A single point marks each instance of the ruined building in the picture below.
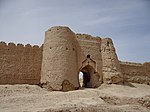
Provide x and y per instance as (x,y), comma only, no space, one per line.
(57,63)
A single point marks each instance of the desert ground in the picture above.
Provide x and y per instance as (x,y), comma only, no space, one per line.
(130,97)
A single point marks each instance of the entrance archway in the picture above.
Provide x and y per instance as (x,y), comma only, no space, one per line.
(89,77)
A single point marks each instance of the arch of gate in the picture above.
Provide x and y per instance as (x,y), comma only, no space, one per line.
(90,75)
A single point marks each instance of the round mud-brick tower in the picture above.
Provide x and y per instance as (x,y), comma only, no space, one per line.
(59,64)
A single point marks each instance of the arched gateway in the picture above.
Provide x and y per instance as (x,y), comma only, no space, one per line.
(90,75)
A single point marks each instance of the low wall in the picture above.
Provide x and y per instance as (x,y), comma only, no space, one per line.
(136,72)
(20,64)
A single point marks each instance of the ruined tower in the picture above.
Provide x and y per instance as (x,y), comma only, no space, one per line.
(111,66)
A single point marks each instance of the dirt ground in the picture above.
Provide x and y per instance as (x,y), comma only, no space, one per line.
(107,98)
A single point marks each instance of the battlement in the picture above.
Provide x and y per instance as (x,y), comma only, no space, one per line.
(13,45)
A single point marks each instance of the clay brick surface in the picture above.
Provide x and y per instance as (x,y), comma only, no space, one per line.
(136,72)
(20,64)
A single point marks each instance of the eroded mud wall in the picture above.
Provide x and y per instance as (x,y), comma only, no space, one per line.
(136,72)
(110,63)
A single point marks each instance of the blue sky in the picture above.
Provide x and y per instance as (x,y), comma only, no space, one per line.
(127,22)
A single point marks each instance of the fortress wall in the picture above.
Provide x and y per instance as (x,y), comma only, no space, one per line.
(20,64)
(88,45)
(136,72)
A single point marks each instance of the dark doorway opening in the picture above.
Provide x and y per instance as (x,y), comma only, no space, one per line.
(87,77)
(84,79)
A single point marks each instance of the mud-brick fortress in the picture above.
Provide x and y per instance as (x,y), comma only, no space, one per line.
(57,63)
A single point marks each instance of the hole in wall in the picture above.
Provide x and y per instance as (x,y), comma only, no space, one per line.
(88,56)
(66,48)
(108,44)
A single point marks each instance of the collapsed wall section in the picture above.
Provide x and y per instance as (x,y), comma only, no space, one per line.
(136,72)
(20,64)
